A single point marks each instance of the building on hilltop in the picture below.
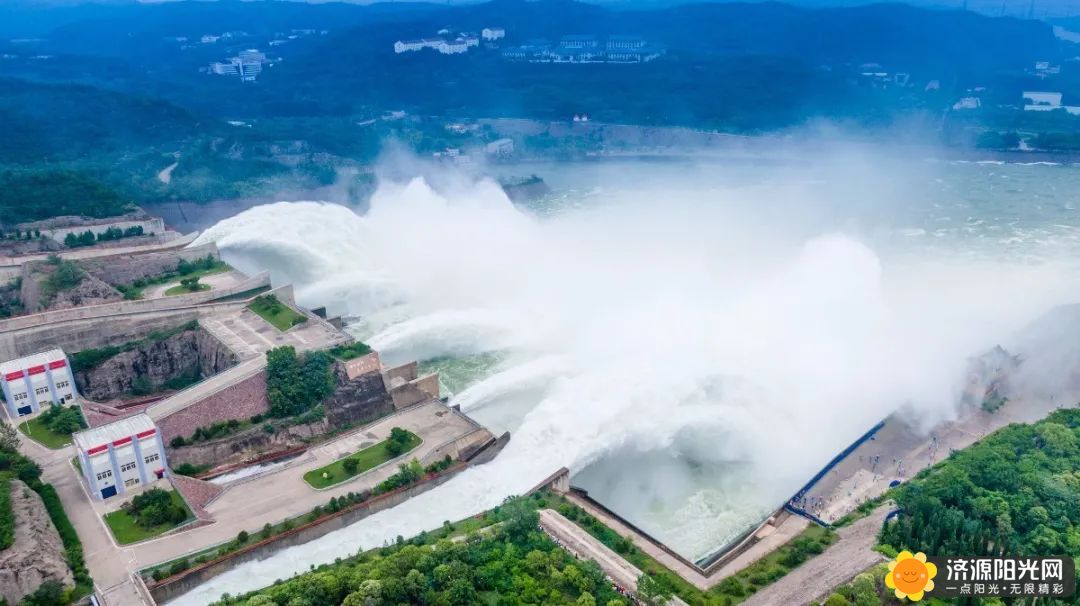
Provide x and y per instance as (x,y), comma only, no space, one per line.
(492,34)
(579,41)
(1042,101)
(622,42)
(121,456)
(453,47)
(32,382)
(500,147)
(967,103)
(247,65)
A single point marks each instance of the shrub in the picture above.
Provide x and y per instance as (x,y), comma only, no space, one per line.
(350,465)
(178,567)
(63,420)
(49,593)
(242,537)
(188,469)
(178,442)
(155,507)
(7,516)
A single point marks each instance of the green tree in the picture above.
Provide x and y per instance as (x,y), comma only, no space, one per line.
(350,465)
(519,518)
(651,591)
(9,437)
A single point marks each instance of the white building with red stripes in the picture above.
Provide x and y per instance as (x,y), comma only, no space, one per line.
(121,456)
(31,383)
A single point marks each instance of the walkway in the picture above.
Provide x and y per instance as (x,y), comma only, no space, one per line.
(218,281)
(821,575)
(104,559)
(583,545)
(247,505)
(898,452)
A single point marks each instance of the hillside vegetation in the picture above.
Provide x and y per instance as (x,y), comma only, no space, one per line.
(1015,493)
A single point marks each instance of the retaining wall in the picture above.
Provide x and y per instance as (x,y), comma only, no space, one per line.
(462,448)
(132,307)
(241,400)
(125,268)
(85,334)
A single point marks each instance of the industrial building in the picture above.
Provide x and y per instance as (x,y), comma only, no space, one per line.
(121,456)
(31,382)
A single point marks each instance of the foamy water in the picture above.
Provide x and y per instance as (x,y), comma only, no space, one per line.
(694,353)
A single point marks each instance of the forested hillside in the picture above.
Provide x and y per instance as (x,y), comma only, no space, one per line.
(1015,492)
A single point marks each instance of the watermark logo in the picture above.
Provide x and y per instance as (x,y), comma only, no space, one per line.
(911,576)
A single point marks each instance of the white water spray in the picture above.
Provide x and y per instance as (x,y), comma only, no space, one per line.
(655,323)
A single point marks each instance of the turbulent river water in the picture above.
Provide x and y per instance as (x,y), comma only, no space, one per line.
(693,339)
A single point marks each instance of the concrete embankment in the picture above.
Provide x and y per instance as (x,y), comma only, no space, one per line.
(173,587)
(176,586)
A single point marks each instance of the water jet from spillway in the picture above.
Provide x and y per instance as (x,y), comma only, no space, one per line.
(679,324)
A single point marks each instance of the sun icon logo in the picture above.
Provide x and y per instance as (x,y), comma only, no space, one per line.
(910,576)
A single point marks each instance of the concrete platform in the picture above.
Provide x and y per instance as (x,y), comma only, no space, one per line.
(282,494)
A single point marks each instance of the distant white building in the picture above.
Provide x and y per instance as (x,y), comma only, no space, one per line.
(1047,102)
(405,46)
(620,42)
(492,33)
(219,68)
(967,103)
(453,47)
(121,456)
(208,39)
(1042,99)
(579,42)
(471,40)
(247,65)
(32,382)
(500,147)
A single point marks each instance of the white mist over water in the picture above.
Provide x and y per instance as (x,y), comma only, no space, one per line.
(711,329)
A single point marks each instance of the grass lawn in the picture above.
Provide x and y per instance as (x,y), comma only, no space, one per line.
(351,351)
(180,289)
(127,530)
(366,459)
(136,292)
(277,313)
(35,430)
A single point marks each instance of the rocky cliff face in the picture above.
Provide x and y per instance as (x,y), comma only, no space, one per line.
(360,400)
(153,363)
(37,554)
(354,402)
(88,291)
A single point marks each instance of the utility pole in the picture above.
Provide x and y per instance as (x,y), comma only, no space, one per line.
(1031,10)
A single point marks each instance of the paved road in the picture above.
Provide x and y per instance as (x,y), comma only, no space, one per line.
(103,557)
(283,494)
(819,576)
(582,544)
(246,506)
(219,281)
